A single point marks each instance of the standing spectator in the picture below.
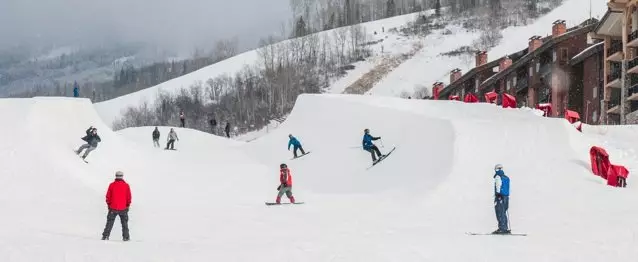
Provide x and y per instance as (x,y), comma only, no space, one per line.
(76,89)
(227,129)
(118,200)
(213,125)
(181,118)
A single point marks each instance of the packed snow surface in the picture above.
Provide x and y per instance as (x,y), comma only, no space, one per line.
(205,200)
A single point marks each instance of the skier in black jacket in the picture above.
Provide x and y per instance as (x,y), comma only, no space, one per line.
(156,137)
(92,139)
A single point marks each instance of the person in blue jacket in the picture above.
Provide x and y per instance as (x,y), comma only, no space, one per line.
(297,145)
(369,146)
(76,89)
(501,199)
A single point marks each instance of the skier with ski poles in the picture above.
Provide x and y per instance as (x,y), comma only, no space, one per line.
(285,178)
(501,199)
(293,141)
(369,146)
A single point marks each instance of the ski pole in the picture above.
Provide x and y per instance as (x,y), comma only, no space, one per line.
(381,142)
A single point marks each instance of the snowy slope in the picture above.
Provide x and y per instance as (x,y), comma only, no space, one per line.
(204,201)
(428,66)
(111,110)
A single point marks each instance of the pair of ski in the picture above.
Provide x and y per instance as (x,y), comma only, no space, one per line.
(494,234)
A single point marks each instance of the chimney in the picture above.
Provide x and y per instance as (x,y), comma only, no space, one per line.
(436,90)
(455,75)
(504,63)
(481,58)
(558,28)
(534,43)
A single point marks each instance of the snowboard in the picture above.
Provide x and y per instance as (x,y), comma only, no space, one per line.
(492,234)
(300,156)
(170,149)
(275,204)
(383,157)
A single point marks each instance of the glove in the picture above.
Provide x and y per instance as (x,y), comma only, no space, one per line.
(498,196)
(279,188)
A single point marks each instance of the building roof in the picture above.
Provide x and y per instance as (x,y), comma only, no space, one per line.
(487,66)
(547,44)
(610,24)
(589,51)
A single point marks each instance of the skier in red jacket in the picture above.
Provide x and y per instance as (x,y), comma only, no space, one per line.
(118,199)
(285,178)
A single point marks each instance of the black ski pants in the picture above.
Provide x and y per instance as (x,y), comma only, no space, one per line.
(374,149)
(298,148)
(110,220)
(171,143)
(183,122)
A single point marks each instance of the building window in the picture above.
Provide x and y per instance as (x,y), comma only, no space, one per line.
(594,116)
(476,85)
(564,55)
(538,67)
(514,81)
(508,85)
(554,56)
(595,92)
(531,71)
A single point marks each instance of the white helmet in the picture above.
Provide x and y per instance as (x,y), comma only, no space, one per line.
(498,167)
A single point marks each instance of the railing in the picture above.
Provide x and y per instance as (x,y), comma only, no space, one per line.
(545,70)
(616,46)
(613,76)
(632,63)
(522,84)
(633,36)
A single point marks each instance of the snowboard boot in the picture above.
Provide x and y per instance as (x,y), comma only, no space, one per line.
(105,238)
(126,239)
(278,201)
(292,199)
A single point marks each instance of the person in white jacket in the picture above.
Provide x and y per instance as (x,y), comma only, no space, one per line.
(172,136)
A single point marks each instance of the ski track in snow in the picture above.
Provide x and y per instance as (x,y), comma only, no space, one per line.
(205,201)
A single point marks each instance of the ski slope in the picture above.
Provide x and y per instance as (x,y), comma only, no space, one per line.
(204,201)
(429,66)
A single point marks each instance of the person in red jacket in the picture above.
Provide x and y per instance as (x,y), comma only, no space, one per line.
(285,178)
(118,200)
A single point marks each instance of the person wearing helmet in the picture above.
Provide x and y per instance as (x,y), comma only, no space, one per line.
(297,145)
(501,199)
(285,178)
(118,201)
(369,146)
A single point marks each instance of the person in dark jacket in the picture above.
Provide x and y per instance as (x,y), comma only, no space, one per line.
(118,201)
(182,119)
(76,89)
(92,139)
(369,146)
(156,137)
(501,199)
(293,141)
(227,129)
(213,125)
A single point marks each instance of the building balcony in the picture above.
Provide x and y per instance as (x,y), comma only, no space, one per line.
(522,84)
(614,110)
(613,79)
(633,66)
(633,91)
(614,52)
(633,39)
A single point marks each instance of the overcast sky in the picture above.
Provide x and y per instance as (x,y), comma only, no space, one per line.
(172,24)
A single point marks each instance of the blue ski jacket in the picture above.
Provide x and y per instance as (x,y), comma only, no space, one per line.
(501,183)
(293,142)
(367,141)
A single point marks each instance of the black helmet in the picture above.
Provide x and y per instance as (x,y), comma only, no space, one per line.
(283,166)
(366,130)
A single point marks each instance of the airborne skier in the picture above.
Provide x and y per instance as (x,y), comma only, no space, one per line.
(369,146)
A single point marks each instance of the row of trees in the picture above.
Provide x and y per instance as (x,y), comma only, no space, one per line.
(266,90)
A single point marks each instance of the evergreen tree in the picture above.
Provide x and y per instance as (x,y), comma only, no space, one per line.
(391,8)
(300,27)
(437,8)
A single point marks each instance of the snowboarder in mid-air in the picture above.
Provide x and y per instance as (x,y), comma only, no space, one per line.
(369,146)
(92,139)
(293,141)
(285,178)
(501,199)
(172,136)
(156,137)
(118,200)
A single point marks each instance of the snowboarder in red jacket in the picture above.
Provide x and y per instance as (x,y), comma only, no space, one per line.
(285,178)
(118,200)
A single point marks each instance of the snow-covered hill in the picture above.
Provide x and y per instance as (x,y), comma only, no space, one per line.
(204,201)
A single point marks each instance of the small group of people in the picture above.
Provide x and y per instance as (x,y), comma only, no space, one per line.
(91,139)
(212,122)
(170,140)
